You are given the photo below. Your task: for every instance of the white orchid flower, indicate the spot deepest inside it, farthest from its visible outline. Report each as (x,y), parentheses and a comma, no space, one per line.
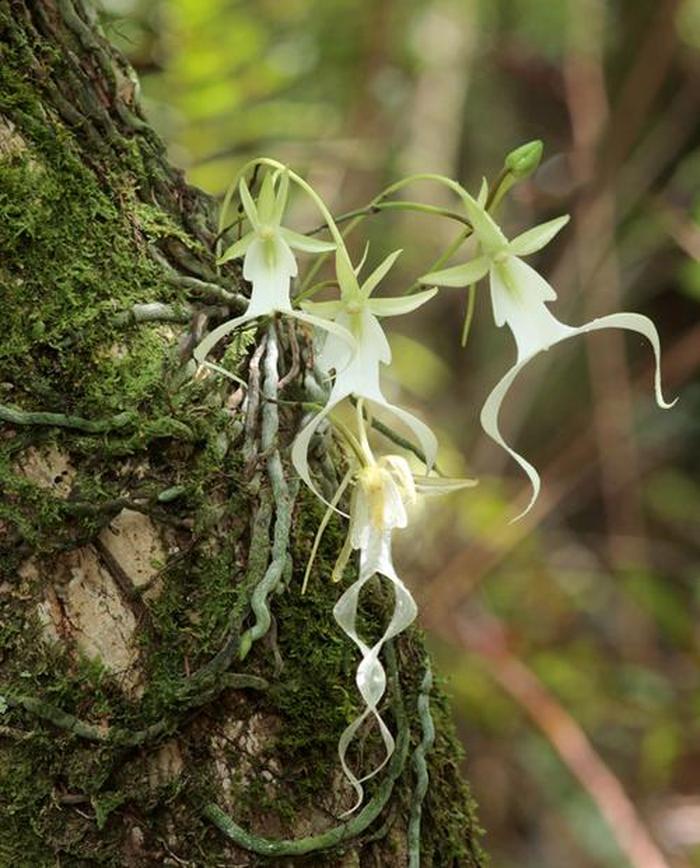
(268,262)
(519,296)
(358,373)
(383,490)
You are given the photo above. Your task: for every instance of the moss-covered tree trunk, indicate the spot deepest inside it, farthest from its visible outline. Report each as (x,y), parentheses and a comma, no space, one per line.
(150,529)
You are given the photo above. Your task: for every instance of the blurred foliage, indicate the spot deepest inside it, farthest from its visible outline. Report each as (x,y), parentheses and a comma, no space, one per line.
(599,594)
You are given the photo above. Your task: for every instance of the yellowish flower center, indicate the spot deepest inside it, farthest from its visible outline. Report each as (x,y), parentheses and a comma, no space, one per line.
(372,479)
(266,233)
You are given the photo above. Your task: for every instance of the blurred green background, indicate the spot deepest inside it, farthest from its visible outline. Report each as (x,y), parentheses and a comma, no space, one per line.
(570,640)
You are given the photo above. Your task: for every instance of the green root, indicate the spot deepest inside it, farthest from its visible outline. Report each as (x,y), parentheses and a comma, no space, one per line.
(337,835)
(420,768)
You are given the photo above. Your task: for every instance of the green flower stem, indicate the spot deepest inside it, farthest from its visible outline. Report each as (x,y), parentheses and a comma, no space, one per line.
(345,831)
(420,767)
(376,207)
(61,420)
(469,314)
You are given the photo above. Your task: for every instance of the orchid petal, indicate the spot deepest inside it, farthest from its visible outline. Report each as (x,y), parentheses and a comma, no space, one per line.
(326,325)
(249,206)
(305,242)
(284,258)
(206,345)
(325,309)
(360,265)
(459,275)
(266,200)
(370,676)
(378,274)
(483,196)
(401,304)
(441,484)
(373,342)
(425,436)
(347,278)
(537,237)
(485,227)
(270,282)
(335,354)
(238,248)
(528,282)
(300,451)
(489,422)
(518,295)
(281,198)
(635,322)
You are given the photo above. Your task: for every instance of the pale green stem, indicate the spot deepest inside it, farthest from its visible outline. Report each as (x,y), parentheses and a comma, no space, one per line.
(323,525)
(469,315)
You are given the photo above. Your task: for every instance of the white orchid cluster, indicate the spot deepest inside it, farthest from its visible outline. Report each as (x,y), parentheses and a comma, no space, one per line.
(353,351)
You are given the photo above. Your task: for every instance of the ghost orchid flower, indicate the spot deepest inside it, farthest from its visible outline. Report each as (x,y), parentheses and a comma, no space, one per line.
(383,490)
(268,262)
(358,373)
(519,296)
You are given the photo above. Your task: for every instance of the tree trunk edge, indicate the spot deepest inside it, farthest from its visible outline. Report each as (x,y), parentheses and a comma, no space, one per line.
(93,224)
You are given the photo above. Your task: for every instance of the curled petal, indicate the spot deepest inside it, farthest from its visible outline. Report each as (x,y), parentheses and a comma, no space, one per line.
(300,451)
(370,676)
(424,435)
(326,325)
(489,422)
(633,322)
(205,346)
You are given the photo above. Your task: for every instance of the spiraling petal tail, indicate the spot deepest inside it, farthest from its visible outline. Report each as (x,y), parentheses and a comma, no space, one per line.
(489,422)
(370,676)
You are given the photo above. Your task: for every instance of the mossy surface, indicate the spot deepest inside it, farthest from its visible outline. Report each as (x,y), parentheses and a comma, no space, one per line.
(79,218)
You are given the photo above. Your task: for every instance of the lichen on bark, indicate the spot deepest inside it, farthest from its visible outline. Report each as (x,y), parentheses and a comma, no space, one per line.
(139,512)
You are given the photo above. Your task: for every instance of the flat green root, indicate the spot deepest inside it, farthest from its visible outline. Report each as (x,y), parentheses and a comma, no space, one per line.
(421,768)
(117,735)
(283,496)
(61,420)
(345,831)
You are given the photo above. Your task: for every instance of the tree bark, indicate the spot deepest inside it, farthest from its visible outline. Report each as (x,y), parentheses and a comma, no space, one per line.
(151,533)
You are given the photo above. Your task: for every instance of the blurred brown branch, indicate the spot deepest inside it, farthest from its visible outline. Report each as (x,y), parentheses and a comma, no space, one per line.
(487,639)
